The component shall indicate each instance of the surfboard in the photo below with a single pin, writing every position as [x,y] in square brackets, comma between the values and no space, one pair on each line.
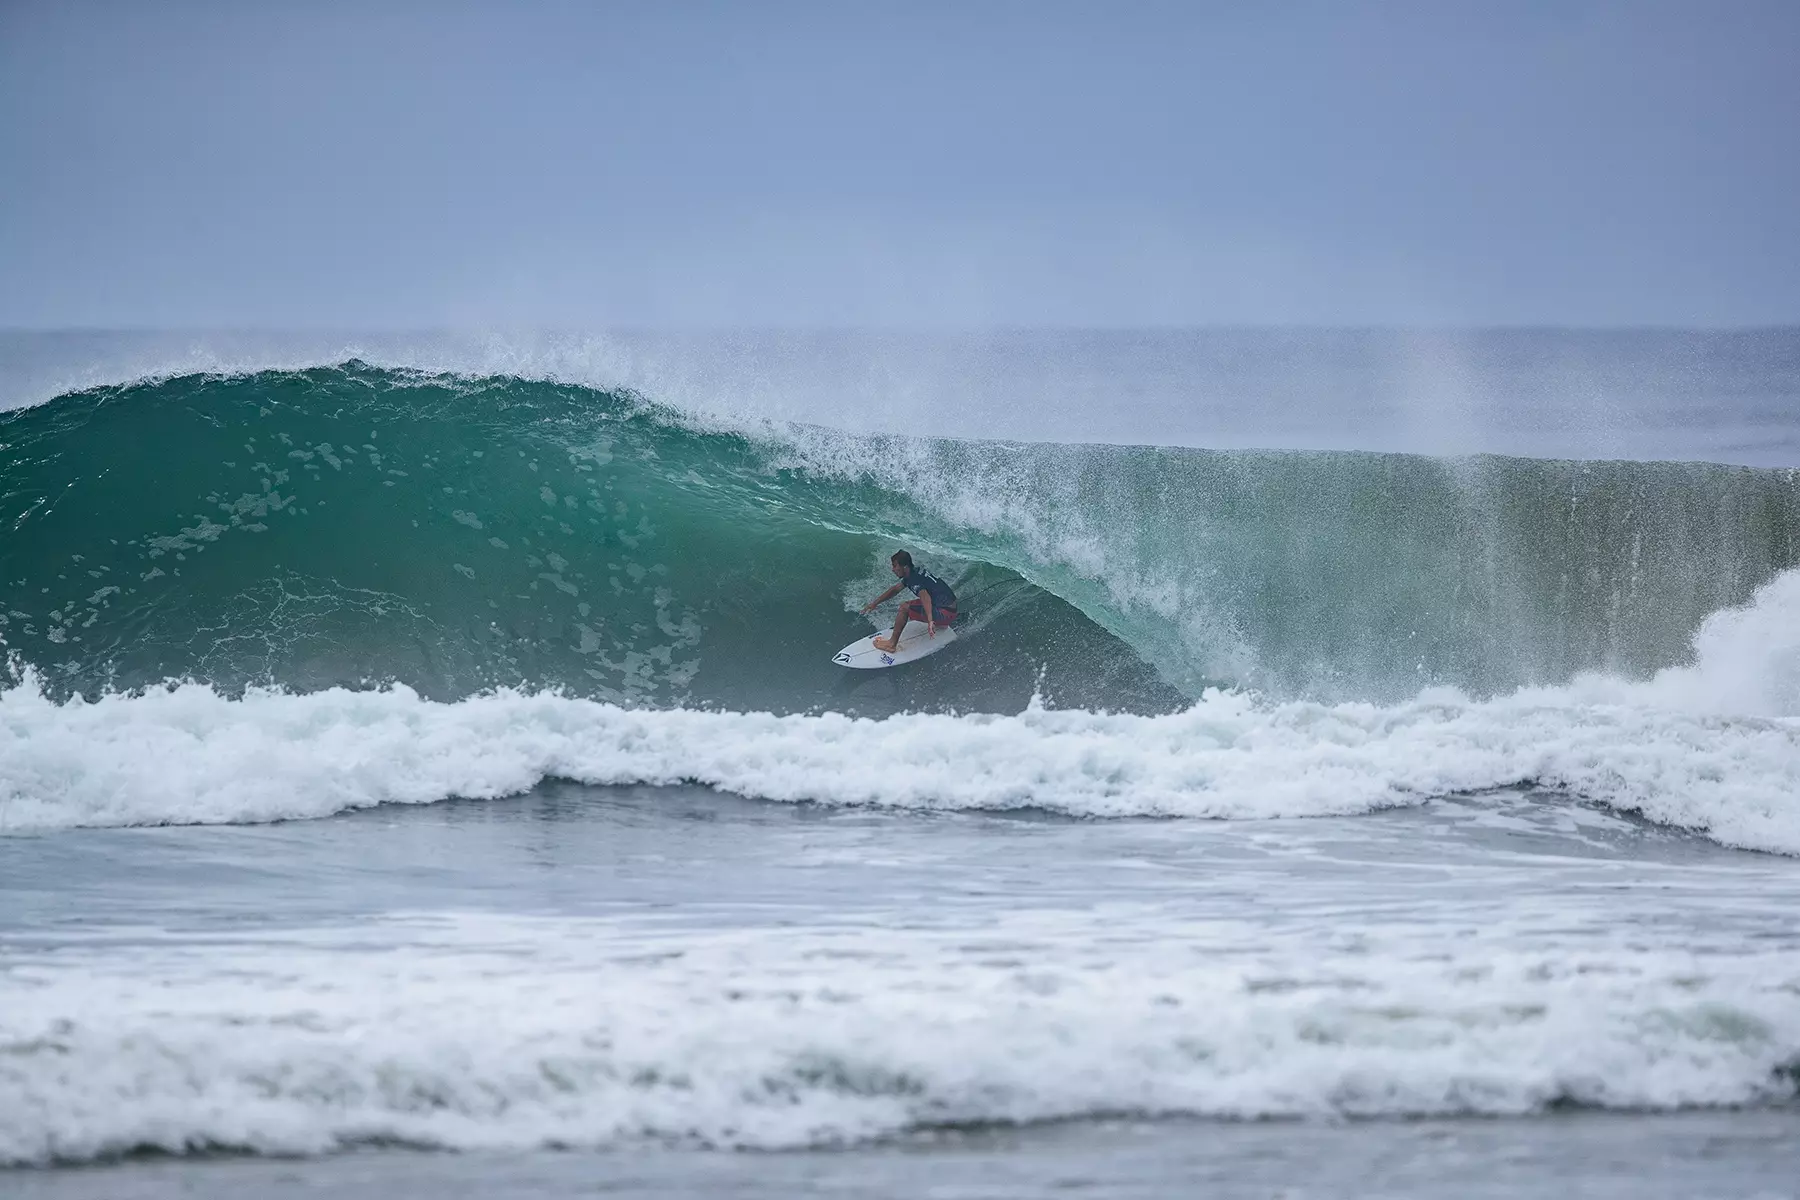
[863,656]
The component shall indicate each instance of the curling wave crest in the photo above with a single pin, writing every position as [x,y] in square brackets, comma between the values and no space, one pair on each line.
[344,525]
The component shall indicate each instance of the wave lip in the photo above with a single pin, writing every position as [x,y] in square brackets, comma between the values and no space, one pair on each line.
[804,1038]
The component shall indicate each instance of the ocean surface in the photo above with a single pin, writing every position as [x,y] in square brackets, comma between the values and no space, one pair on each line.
[1369,764]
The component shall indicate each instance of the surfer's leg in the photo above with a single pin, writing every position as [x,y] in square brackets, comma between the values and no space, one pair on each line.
[912,610]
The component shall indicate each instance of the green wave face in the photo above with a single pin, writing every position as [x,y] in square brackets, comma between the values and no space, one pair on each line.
[350,525]
[343,526]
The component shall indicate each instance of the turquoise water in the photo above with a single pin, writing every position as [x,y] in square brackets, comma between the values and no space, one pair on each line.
[357,525]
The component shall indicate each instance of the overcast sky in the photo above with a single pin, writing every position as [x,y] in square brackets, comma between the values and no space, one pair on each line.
[525,164]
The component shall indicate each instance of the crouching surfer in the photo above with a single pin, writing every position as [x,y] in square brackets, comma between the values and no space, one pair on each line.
[933,601]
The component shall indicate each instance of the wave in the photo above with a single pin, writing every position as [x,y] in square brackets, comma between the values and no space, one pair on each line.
[350,525]
[436,1032]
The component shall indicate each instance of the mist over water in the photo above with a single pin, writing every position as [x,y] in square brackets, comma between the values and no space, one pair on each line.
[1714,395]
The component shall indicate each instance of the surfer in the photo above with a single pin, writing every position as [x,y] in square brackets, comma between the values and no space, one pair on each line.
[933,602]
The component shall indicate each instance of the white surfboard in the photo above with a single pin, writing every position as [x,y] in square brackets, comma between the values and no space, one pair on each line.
[863,656]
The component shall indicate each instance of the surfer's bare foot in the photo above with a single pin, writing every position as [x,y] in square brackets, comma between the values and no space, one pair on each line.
[885,644]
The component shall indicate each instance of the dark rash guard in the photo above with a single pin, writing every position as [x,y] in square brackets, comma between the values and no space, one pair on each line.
[941,595]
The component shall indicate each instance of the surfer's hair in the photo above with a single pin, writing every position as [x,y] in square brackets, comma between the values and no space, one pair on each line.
[903,558]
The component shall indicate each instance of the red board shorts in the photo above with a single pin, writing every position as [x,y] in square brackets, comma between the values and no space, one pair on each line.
[915,611]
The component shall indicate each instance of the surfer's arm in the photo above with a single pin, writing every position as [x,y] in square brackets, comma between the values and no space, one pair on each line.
[930,625]
[882,599]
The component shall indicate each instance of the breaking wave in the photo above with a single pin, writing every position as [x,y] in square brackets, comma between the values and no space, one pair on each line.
[356,526]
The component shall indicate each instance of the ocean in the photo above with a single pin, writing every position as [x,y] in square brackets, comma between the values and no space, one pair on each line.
[1369,764]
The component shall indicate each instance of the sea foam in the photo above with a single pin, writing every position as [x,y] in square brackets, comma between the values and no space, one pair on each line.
[443,1032]
[1712,747]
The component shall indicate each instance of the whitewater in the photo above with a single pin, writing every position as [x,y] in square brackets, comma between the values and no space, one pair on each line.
[1713,747]
[411,749]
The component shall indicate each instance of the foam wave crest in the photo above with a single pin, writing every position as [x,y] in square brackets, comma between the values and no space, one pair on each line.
[188,754]
[786,1038]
